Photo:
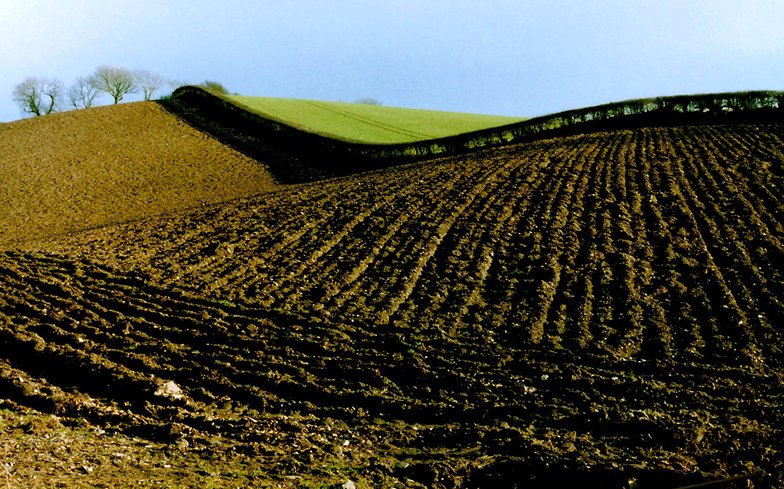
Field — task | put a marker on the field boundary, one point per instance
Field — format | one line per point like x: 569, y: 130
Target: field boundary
x: 296, y: 156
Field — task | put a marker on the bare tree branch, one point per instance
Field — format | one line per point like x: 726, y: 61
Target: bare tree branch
x: 215, y: 87
x: 53, y: 90
x: 38, y: 96
x: 82, y: 93
x: 117, y: 82
x: 27, y: 96
x: 148, y: 82
x: 367, y: 101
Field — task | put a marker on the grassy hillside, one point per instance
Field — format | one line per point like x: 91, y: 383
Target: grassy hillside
x: 598, y: 310
x: 88, y: 168
x: 364, y: 123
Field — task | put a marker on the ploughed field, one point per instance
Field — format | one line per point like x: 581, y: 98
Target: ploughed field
x: 596, y: 310
x: 90, y: 168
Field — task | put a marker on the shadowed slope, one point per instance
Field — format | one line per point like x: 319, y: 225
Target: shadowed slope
x: 89, y: 168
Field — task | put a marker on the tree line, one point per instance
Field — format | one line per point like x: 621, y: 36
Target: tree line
x: 42, y: 96
x: 712, y: 108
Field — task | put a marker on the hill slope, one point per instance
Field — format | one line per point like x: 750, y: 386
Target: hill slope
x: 364, y: 123
x: 82, y: 169
x: 280, y: 136
x: 602, y: 308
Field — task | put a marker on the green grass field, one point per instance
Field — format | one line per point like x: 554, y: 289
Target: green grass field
x: 364, y: 123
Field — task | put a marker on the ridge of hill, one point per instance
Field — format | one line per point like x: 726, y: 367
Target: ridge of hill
x: 295, y: 155
x: 89, y: 168
x: 600, y: 310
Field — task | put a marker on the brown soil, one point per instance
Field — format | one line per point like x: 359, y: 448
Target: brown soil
x: 89, y: 168
x: 593, y: 311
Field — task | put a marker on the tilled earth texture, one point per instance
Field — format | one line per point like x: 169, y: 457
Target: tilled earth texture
x: 602, y: 310
x: 89, y: 168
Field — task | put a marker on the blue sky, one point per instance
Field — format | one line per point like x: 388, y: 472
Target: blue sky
x: 519, y: 57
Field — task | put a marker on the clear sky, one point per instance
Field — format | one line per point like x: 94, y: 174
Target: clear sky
x: 511, y: 57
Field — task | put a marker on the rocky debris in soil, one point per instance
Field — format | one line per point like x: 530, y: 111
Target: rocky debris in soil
x: 170, y: 390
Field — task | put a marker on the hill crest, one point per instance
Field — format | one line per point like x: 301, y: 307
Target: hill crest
x: 89, y: 168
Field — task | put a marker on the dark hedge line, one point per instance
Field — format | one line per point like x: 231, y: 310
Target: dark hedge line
x: 296, y: 156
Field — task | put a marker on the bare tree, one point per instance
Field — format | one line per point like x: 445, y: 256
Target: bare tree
x: 38, y: 96
x: 175, y: 84
x: 367, y: 101
x: 117, y: 82
x: 82, y: 93
x: 148, y: 82
x: 215, y: 87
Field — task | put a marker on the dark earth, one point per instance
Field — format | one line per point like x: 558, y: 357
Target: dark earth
x: 601, y: 310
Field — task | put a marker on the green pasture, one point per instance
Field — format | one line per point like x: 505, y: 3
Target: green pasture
x: 363, y: 123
